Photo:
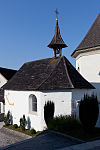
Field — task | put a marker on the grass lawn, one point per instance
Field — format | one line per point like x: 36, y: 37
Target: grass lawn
x: 20, y: 130
x: 79, y: 133
x: 70, y: 125
x: 83, y: 135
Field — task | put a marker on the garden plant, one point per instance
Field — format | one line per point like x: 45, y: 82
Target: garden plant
x: 49, y: 109
x: 88, y: 111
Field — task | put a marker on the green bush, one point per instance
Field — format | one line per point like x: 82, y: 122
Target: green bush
x: 88, y: 111
x: 63, y: 123
x: 48, y: 111
x: 15, y: 126
x: 7, y: 119
x: 23, y: 123
x: 32, y: 131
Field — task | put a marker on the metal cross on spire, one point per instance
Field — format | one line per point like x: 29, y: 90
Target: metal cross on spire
x: 56, y: 11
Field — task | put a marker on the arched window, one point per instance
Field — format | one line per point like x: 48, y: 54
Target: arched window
x: 32, y: 103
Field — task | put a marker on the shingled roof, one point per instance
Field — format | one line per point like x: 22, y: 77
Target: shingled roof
x: 57, y: 41
x: 92, y: 38
x: 7, y: 73
x: 47, y: 74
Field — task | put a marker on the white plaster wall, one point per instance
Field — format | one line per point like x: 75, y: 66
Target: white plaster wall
x: 3, y: 80
x: 90, y: 70
x: 77, y: 95
x: 89, y: 67
x: 62, y: 102
x: 20, y: 99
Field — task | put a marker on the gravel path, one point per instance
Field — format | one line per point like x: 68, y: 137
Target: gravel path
x: 9, y: 137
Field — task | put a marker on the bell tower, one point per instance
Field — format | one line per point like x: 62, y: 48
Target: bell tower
x: 57, y: 42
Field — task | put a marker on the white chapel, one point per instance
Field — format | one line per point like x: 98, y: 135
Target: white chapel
x: 51, y: 79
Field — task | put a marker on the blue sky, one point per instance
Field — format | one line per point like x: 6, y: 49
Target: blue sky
x: 27, y: 27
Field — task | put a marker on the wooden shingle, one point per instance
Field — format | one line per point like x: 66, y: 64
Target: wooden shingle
x: 47, y: 74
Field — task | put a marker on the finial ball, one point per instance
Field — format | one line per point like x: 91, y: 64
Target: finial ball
x: 56, y: 19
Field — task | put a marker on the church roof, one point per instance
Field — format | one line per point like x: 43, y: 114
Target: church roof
x: 47, y: 74
x: 7, y: 73
x: 57, y: 41
x: 92, y: 38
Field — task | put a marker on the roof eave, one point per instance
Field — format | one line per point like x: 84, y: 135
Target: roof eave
x: 75, y: 54
x: 57, y: 46
x: 85, y: 49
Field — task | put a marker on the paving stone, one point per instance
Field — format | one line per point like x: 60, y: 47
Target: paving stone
x: 9, y: 137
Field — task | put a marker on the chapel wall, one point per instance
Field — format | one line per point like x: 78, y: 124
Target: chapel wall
x: 62, y: 102
x: 18, y: 104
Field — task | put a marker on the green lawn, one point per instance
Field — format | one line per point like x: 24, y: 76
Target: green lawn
x: 82, y: 134
x: 79, y: 133
x: 70, y: 125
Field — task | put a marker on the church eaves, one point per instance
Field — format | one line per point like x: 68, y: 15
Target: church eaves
x: 92, y: 38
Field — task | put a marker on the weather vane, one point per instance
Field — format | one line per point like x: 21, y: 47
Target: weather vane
x: 56, y: 11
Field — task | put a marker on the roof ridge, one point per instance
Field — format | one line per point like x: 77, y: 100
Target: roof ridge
x: 67, y: 72
x: 50, y: 73
x: 37, y: 60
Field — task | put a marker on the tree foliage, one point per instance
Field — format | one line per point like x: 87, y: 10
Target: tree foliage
x: 48, y: 111
x: 88, y: 111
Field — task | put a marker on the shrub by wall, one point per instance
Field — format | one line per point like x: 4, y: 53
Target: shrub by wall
x: 7, y: 119
x: 23, y: 123
x: 88, y: 111
x: 48, y: 111
x: 63, y: 123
